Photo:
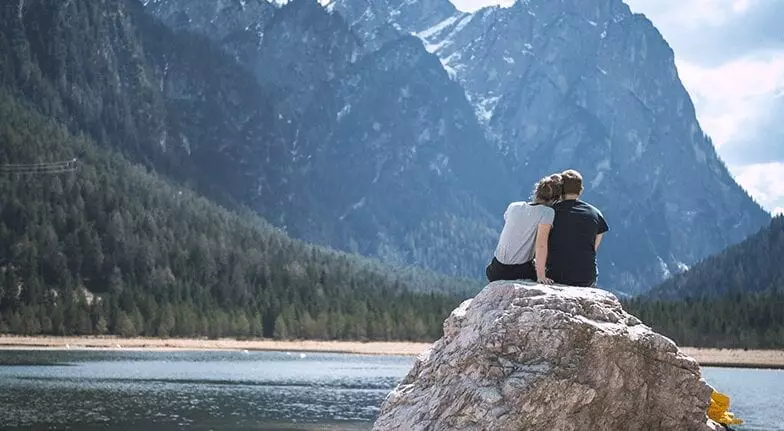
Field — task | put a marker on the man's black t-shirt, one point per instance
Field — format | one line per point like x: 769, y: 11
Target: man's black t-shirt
x: 571, y: 256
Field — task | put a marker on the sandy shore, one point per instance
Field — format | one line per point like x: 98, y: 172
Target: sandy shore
x: 737, y: 357
x: 706, y: 357
x: 370, y: 348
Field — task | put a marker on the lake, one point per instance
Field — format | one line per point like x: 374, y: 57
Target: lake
x: 122, y: 390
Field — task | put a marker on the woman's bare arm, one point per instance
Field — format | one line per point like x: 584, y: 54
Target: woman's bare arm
x: 542, y: 237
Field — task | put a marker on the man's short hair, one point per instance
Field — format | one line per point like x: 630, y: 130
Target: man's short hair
x: 572, y: 182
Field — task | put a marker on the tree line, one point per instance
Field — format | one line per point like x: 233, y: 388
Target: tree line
x: 739, y: 320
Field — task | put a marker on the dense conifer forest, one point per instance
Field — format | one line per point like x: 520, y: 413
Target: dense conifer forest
x: 112, y: 249
x: 741, y: 320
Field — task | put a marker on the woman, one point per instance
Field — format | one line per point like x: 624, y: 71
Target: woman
x: 525, y: 234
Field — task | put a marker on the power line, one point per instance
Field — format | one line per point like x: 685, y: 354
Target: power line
x: 41, y: 168
x: 38, y: 164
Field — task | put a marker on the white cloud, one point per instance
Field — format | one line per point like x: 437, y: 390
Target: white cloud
x: 744, y: 77
x: 764, y: 182
x: 737, y: 104
x: 731, y: 97
x: 691, y: 13
x: 740, y: 5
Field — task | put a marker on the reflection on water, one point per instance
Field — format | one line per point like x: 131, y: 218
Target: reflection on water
x: 92, y: 390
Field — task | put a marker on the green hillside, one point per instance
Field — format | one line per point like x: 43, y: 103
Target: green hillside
x: 732, y: 299
x: 112, y: 248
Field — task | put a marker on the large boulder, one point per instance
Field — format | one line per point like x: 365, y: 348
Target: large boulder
x: 523, y: 356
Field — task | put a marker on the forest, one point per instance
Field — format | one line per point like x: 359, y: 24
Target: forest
x: 731, y: 299
x: 111, y: 248
x: 741, y: 320
x: 754, y: 265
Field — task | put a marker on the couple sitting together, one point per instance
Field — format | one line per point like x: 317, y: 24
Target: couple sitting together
x: 553, y: 239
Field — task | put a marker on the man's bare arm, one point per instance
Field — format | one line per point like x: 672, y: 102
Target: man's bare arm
x: 598, y: 241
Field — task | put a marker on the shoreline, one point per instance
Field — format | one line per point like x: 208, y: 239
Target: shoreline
x: 737, y: 358
x: 382, y: 348
x: 733, y: 358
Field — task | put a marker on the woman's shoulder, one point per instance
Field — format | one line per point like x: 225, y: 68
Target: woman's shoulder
x: 545, y: 209
x: 518, y: 205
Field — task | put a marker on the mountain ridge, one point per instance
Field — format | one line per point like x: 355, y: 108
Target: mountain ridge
x: 596, y: 88
x: 269, y: 127
x: 747, y: 267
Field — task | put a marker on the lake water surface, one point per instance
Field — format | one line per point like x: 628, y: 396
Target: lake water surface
x: 121, y: 390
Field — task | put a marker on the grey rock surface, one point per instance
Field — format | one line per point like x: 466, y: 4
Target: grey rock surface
x: 530, y: 357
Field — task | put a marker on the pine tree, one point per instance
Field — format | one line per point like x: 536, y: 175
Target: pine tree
x: 125, y: 325
x: 281, y: 331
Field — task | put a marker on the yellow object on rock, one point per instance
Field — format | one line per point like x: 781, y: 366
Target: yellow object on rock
x: 717, y: 411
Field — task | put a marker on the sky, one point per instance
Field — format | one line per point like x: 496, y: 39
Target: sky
x: 730, y: 58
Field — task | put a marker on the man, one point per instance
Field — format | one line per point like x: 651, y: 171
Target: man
x: 577, y: 231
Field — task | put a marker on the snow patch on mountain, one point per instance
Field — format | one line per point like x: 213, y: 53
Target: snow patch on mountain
x: 440, y: 35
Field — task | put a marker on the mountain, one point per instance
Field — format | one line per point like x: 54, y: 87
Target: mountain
x: 171, y: 101
x: 394, y: 129
x: 113, y: 248
x: 236, y: 25
x: 416, y: 195
x: 552, y: 85
x: 291, y: 50
x: 410, y: 146
x: 589, y: 85
x: 733, y: 299
x: 752, y: 266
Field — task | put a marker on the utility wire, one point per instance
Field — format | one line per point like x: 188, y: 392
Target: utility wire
x: 42, y: 168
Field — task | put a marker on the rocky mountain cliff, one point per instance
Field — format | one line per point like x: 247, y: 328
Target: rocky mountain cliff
x: 552, y: 85
x: 592, y: 86
x: 396, y: 129
x: 386, y: 154
x: 411, y: 147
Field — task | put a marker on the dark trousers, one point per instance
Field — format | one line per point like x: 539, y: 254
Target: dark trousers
x: 559, y: 277
x: 499, y: 271
x: 578, y: 283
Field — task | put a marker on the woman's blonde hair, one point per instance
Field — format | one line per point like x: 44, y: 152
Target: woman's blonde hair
x: 549, y: 189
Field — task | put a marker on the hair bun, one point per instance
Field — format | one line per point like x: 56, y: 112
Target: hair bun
x: 548, y: 189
